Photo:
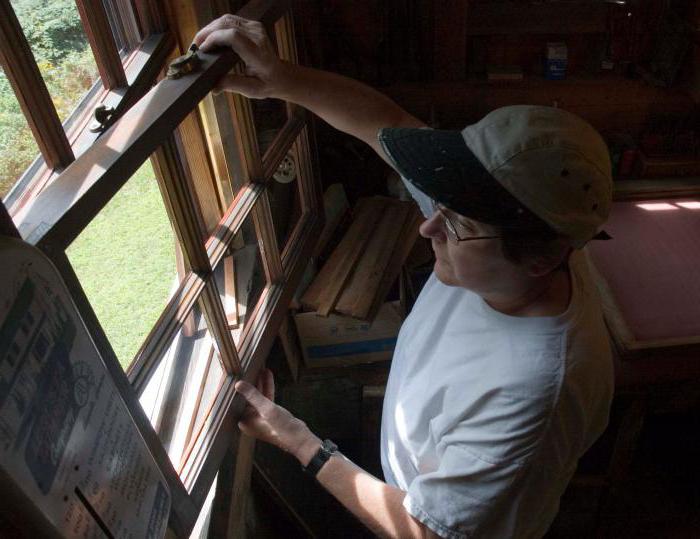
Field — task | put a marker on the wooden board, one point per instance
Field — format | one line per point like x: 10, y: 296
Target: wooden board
x: 359, y: 294
x: 324, y: 291
x: 648, y: 274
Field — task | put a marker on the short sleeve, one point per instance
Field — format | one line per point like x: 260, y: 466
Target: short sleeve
x: 461, y: 497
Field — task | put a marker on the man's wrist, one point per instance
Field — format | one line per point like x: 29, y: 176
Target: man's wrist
x: 307, y: 448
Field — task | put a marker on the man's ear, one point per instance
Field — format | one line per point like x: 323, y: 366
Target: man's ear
x: 541, y: 264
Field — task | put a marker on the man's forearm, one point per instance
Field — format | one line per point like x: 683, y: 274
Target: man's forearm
x: 376, y: 504
x: 346, y: 104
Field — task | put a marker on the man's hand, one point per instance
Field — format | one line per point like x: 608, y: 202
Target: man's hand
x: 248, y: 39
x: 265, y: 420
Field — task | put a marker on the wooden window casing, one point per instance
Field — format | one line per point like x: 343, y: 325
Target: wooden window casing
x: 52, y: 218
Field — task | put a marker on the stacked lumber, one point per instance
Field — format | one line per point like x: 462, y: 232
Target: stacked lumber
x: 367, y: 261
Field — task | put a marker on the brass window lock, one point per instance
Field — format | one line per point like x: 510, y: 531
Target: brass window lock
x: 187, y: 63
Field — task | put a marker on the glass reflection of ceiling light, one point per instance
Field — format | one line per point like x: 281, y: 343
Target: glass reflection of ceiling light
x: 691, y: 205
x: 657, y: 206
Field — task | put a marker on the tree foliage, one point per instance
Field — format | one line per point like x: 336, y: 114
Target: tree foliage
x: 61, y: 50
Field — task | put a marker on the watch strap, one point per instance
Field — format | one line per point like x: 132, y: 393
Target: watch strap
x: 324, y: 452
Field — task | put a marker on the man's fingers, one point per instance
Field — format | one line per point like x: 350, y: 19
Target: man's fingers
x: 257, y: 400
x: 268, y: 384
x: 224, y: 22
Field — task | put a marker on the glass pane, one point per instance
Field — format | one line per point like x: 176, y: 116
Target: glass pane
x: 285, y: 199
x: 269, y: 115
x: 241, y: 278
x: 179, y: 396
x: 17, y: 146
x: 125, y: 261
x: 61, y: 49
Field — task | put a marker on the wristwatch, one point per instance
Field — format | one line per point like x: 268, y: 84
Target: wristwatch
x: 324, y: 452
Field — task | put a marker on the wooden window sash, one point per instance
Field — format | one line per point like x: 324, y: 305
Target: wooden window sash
x: 142, y: 68
x: 62, y: 210
x: 29, y: 87
x: 102, y: 42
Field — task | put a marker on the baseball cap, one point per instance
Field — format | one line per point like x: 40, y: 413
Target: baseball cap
x: 516, y: 162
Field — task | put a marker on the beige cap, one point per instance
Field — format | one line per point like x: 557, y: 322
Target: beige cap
x: 556, y: 164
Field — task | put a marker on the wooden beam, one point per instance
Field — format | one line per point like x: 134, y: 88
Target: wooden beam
x: 104, y: 49
x: 29, y: 87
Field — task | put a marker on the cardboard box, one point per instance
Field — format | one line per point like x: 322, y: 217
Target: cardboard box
x: 341, y: 340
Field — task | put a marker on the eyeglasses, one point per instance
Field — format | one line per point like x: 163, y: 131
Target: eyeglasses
x: 451, y: 230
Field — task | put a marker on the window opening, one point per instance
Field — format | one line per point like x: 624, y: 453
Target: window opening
x: 125, y: 261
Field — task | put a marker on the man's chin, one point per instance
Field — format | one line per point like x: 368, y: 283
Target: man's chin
x: 443, y: 273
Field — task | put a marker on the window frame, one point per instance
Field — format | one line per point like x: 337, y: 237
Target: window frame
x: 56, y: 214
x: 123, y: 80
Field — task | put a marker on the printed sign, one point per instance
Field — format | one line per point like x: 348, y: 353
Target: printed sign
x: 66, y: 437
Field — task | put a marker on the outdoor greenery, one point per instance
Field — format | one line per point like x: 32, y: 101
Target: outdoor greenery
x: 125, y: 258
x: 62, y: 52
x: 125, y: 261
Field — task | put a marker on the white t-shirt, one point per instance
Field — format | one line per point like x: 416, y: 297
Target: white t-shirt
x: 486, y: 415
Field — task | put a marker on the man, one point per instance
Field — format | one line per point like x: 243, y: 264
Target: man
x: 502, y: 374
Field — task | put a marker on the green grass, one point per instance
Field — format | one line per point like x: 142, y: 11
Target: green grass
x: 125, y: 260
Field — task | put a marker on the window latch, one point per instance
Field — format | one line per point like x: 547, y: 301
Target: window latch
x: 103, y: 118
x: 182, y: 65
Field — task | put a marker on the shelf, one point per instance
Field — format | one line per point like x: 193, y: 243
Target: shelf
x: 656, y: 188
x: 607, y: 101
x: 509, y: 18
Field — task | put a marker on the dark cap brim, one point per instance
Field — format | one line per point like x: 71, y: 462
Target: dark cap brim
x: 440, y: 164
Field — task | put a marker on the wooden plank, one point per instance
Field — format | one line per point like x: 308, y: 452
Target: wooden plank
x: 323, y: 293
x: 64, y: 208
x: 401, y: 252
x: 450, y: 40
x: 358, y: 296
x: 21, y: 70
x: 104, y: 49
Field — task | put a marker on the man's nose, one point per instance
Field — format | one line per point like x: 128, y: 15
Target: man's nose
x: 433, y: 227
